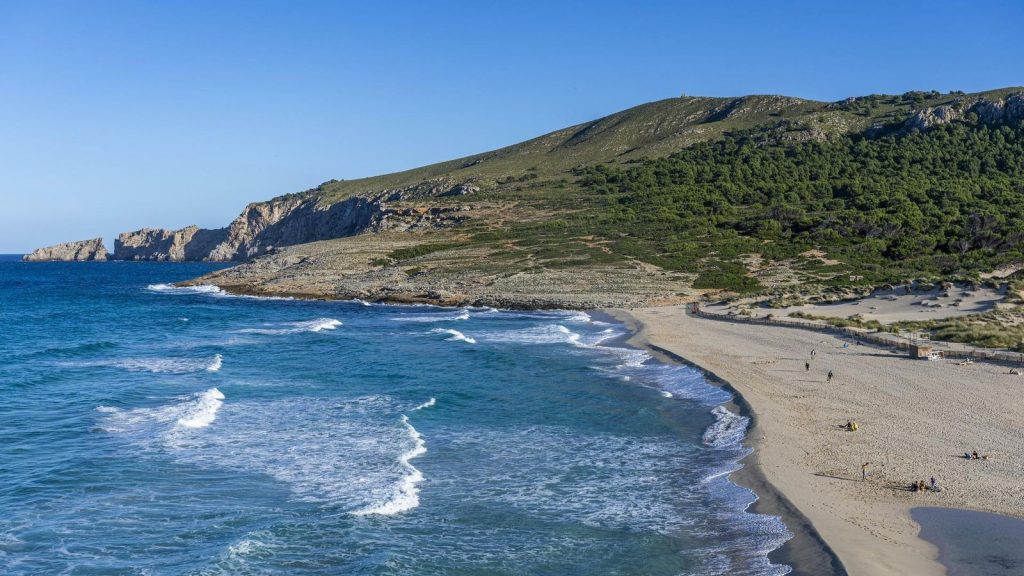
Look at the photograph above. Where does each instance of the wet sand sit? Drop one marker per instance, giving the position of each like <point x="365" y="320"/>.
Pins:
<point x="974" y="543"/>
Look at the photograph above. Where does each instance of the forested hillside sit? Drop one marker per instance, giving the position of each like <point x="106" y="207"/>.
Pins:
<point x="948" y="200"/>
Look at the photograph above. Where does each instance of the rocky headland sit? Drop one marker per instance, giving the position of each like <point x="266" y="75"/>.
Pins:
<point x="82" y="250"/>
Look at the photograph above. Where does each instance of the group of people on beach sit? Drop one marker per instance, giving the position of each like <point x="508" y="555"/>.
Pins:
<point x="974" y="456"/>
<point x="920" y="486"/>
<point x="807" y="366"/>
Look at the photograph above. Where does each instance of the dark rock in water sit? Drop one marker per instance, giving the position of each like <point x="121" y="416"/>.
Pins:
<point x="80" y="251"/>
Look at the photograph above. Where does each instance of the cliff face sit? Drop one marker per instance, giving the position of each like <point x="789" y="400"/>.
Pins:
<point x="190" y="243"/>
<point x="265" y="226"/>
<point x="260" y="228"/>
<point x="82" y="250"/>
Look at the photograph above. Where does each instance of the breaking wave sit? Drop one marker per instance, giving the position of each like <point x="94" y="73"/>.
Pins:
<point x="155" y="365"/>
<point x="318" y="325"/>
<point x="199" y="289"/>
<point x="728" y="429"/>
<point x="406" y="495"/>
<point x="204" y="411"/>
<point x="428" y="404"/>
<point x="456" y="336"/>
<point x="197" y="411"/>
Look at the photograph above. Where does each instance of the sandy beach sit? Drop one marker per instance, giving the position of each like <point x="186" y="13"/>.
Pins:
<point x="916" y="420"/>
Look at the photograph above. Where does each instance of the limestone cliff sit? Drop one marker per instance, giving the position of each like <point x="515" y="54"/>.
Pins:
<point x="189" y="243"/>
<point x="265" y="226"/>
<point x="82" y="250"/>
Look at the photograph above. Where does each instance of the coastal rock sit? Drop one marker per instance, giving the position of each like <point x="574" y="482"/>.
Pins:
<point x="80" y="251"/>
<point x="264" y="226"/>
<point x="189" y="243"/>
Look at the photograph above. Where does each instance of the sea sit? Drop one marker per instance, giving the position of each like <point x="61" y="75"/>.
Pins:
<point x="147" y="429"/>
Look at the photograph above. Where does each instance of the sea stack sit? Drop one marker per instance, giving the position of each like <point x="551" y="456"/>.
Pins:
<point x="80" y="251"/>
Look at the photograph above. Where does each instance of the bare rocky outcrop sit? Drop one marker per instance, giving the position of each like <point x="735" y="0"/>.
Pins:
<point x="264" y="227"/>
<point x="987" y="111"/>
<point x="80" y="251"/>
<point x="189" y="243"/>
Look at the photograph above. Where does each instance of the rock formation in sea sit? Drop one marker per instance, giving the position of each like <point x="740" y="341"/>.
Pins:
<point x="82" y="250"/>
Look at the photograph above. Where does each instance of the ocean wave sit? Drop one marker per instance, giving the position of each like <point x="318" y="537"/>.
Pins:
<point x="456" y="336"/>
<point x="462" y="315"/>
<point x="428" y="404"/>
<point x="154" y="365"/>
<point x="159" y="424"/>
<point x="317" y="325"/>
<point x="198" y="289"/>
<point x="204" y="411"/>
<point x="208" y="290"/>
<point x="728" y="429"/>
<point x="406" y="495"/>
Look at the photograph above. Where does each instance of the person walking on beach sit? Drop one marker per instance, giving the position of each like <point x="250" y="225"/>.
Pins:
<point x="933" y="483"/>
<point x="813" y="352"/>
<point x="807" y="366"/>
<point x="864" y="471"/>
<point x="829" y="377"/>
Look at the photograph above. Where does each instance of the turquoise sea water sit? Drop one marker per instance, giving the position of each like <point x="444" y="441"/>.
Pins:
<point x="146" y="429"/>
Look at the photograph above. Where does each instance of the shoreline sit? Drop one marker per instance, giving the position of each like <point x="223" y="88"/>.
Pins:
<point x="806" y="552"/>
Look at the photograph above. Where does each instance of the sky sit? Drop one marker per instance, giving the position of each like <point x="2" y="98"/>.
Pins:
<point x="119" y="115"/>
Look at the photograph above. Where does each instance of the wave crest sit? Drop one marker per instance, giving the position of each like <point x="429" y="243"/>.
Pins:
<point x="406" y="495"/>
<point x="204" y="411"/>
<point x="456" y="336"/>
<point x="317" y="325"/>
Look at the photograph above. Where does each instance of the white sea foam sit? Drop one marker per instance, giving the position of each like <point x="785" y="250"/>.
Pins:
<point x="428" y="404"/>
<point x="317" y="325"/>
<point x="162" y="423"/>
<point x="203" y="411"/>
<point x="154" y="365"/>
<point x="666" y="394"/>
<point x="579" y="317"/>
<point x="209" y="290"/>
<point x="172" y="289"/>
<point x="406" y="494"/>
<point x="456" y="336"/>
<point x="728" y="429"/>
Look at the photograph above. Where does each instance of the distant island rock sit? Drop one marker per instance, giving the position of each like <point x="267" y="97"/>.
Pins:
<point x="80" y="251"/>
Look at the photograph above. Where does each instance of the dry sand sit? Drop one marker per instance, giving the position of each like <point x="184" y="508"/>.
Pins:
<point x="916" y="418"/>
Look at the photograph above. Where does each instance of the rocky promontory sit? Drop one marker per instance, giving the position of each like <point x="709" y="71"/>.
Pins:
<point x="189" y="243"/>
<point x="80" y="251"/>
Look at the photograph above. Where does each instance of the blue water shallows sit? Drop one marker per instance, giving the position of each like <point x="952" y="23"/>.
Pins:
<point x="147" y="429"/>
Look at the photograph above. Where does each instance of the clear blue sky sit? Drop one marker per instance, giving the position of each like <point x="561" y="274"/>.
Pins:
<point x="119" y="115"/>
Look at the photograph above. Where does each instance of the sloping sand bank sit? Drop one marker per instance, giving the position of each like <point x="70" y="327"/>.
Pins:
<point x="916" y="418"/>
